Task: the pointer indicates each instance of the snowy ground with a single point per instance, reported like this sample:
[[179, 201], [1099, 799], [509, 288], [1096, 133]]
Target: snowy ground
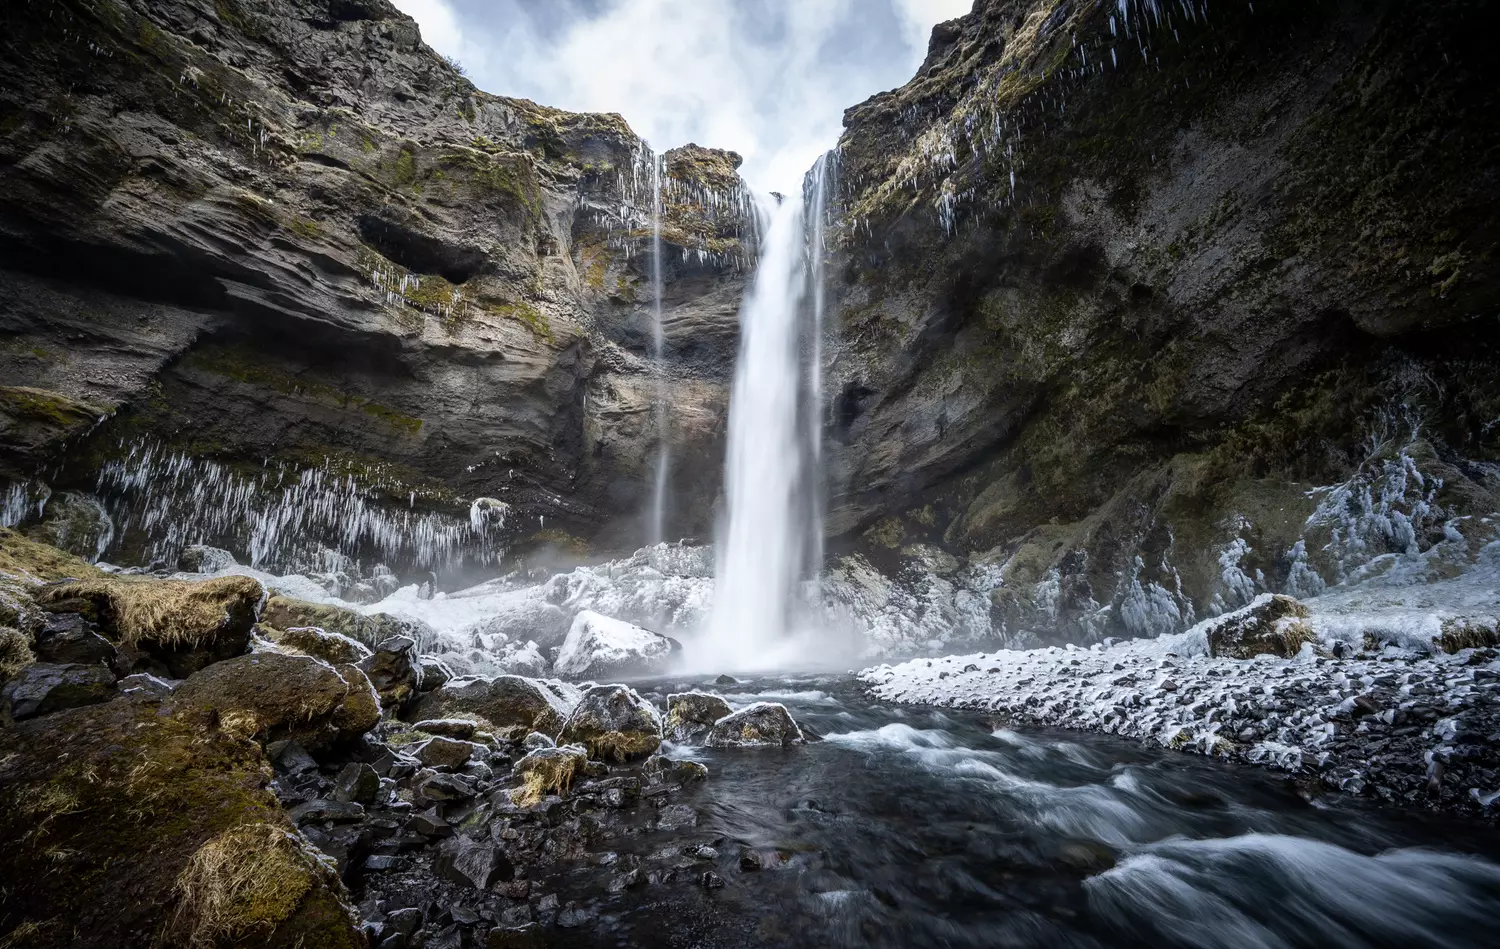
[[1401, 721]]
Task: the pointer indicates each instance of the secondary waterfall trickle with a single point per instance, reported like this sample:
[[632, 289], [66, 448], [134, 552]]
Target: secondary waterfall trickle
[[657, 530]]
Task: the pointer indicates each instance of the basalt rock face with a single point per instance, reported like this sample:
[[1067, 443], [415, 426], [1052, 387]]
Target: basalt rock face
[[290, 230], [1119, 284]]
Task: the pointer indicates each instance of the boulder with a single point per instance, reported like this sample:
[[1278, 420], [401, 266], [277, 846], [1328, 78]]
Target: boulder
[[509, 705], [177, 625], [271, 696], [335, 648], [70, 638], [440, 752], [760, 725], [598, 646], [115, 799], [614, 724], [548, 771], [284, 612], [659, 769], [75, 522], [42, 688], [460, 728], [435, 672], [692, 714], [361, 709], [1272, 624], [201, 558], [395, 670], [471, 862], [147, 684]]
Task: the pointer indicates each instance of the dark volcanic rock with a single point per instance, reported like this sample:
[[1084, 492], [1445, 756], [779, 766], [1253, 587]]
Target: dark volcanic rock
[[506, 703], [690, 714], [761, 724], [70, 638], [395, 670], [42, 688], [273, 696]]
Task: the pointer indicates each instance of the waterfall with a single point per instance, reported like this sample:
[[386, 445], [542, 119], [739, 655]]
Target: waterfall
[[657, 530], [761, 551]]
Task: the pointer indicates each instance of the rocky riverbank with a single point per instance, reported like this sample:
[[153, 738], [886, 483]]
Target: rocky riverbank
[[294, 785], [1268, 685]]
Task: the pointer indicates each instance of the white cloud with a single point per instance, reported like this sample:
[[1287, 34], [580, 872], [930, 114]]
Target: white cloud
[[767, 78]]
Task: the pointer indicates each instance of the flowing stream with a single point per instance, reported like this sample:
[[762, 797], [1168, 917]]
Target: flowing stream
[[912, 827]]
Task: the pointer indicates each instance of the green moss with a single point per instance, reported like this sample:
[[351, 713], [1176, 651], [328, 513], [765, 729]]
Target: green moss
[[534, 318], [396, 420], [304, 227]]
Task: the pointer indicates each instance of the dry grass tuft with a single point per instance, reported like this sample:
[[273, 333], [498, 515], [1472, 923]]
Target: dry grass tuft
[[15, 653], [165, 612], [239, 886], [1459, 635], [22, 556]]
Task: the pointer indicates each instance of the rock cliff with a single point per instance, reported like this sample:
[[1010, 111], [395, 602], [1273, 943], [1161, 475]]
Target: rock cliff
[[288, 237], [1122, 284]]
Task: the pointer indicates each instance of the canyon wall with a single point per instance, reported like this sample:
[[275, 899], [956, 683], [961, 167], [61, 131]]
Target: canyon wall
[[1147, 307], [249, 237]]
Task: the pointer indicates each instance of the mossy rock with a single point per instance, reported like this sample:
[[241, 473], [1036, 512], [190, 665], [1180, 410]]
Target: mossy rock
[[284, 613], [33, 421], [1273, 624], [614, 724], [510, 705], [183, 625], [270, 697], [129, 828], [334, 648], [548, 771], [690, 714], [765, 724]]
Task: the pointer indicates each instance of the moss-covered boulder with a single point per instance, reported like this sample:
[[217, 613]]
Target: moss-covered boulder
[[126, 828], [284, 612], [764, 724], [1271, 625], [395, 669], [270, 696], [691, 714], [614, 724], [548, 771], [330, 647], [178, 625], [510, 705]]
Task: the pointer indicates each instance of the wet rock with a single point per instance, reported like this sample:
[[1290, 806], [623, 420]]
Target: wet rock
[[283, 612], [435, 672], [761, 724], [69, 639], [429, 824], [598, 646], [357, 782], [535, 740], [444, 787], [43, 688], [404, 921], [177, 625], [1272, 624], [327, 810], [614, 724], [726, 680], [677, 817], [269, 696], [516, 937], [288, 757], [755, 859], [510, 705], [201, 558], [471, 862], [692, 714], [147, 684], [440, 752], [711, 880], [395, 671], [333, 648], [360, 711], [547, 771], [659, 769], [573, 915], [460, 728], [74, 522]]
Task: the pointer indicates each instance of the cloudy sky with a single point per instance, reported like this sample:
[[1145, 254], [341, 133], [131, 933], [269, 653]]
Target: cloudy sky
[[769, 79]]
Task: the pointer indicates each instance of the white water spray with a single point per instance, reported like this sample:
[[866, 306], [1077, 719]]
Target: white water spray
[[657, 531]]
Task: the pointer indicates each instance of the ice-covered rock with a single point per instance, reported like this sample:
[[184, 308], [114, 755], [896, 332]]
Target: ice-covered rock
[[1272, 624], [761, 724], [599, 646], [614, 724], [691, 714]]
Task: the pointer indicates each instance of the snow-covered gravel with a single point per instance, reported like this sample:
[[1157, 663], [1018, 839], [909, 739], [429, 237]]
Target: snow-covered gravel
[[1406, 726]]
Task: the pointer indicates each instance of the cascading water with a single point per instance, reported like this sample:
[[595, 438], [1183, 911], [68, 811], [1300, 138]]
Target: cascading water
[[657, 531], [760, 555], [816, 190]]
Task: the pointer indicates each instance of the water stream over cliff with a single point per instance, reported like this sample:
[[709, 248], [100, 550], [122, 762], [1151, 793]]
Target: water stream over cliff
[[657, 530]]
